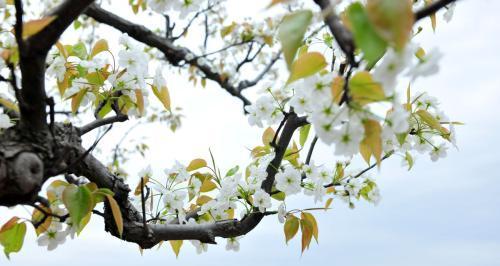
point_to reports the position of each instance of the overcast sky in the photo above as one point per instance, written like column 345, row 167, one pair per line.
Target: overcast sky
column 444, row 213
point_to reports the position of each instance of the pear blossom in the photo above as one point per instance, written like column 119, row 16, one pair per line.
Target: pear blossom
column 57, row 68
column 427, row 66
column 178, row 173
column 261, row 200
column 5, row 121
column 397, row 119
column 53, row 237
column 174, row 200
column 450, row 9
column 289, row 180
column 233, row 244
column 348, row 137
column 438, row 152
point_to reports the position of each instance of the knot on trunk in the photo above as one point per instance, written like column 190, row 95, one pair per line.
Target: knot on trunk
column 21, row 177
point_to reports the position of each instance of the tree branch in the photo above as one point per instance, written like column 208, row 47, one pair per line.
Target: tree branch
column 432, row 8
column 342, row 35
column 102, row 122
column 96, row 172
column 174, row 54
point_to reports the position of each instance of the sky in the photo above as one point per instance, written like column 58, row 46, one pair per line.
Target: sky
column 444, row 213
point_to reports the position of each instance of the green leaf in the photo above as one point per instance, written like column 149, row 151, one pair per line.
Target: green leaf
column 280, row 196
column 307, row 65
column 79, row 50
column 176, row 246
column 304, row 133
column 431, row 121
column 233, row 171
column 364, row 89
column 12, row 236
column 291, row 227
column 78, row 200
column 365, row 36
column 291, row 33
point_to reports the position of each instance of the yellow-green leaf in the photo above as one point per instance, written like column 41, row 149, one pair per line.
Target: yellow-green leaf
column 337, row 88
column 307, row 65
column 163, row 95
column 268, row 136
column 201, row 200
column 393, row 20
column 140, row 185
column 9, row 104
column 372, row 143
column 307, row 233
column 117, row 214
column 304, row 133
column 100, row 46
column 32, row 27
column 208, row 185
column 12, row 236
column 291, row 227
column 38, row 216
column 291, row 33
column 176, row 246
column 196, row 164
column 314, row 224
column 431, row 121
column 363, row 89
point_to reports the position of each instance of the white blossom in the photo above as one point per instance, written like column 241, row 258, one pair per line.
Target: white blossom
column 261, row 200
column 289, row 180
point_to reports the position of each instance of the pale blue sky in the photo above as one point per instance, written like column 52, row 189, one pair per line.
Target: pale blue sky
column 444, row 213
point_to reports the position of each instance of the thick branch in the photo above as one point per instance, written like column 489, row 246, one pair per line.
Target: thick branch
column 65, row 14
column 32, row 63
column 134, row 231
